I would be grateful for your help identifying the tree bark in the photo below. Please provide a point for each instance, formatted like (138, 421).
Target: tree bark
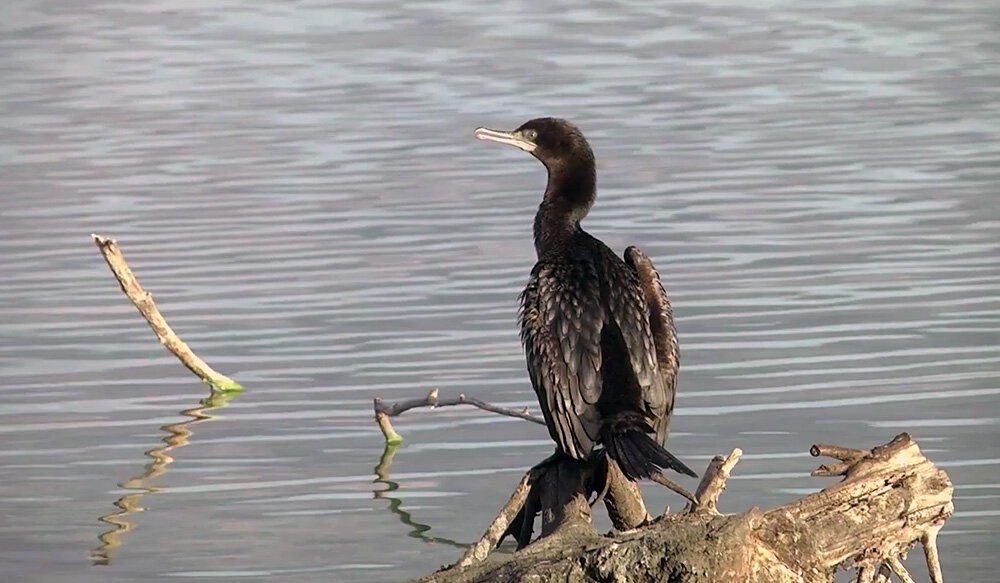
(890, 498)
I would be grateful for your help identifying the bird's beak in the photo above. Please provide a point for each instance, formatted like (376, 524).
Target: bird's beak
(510, 138)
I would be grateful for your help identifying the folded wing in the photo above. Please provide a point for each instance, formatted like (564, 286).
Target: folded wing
(661, 325)
(561, 323)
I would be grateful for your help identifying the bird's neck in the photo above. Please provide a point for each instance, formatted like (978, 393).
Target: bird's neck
(568, 197)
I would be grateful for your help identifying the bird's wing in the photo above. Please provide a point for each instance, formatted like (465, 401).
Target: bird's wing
(664, 335)
(561, 322)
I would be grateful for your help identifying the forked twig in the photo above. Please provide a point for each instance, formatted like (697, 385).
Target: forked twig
(385, 410)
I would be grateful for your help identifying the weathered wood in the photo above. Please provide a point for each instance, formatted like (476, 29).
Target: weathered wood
(143, 301)
(883, 574)
(714, 482)
(563, 494)
(479, 551)
(890, 498)
(929, 541)
(866, 574)
(831, 470)
(623, 499)
(844, 454)
(896, 566)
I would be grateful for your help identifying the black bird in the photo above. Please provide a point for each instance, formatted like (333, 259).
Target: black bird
(598, 332)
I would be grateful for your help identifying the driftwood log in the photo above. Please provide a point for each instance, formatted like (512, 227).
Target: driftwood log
(890, 498)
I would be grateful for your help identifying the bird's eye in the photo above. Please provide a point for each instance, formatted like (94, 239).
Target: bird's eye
(530, 135)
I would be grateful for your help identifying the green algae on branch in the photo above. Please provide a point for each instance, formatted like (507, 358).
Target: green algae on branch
(143, 302)
(391, 437)
(224, 384)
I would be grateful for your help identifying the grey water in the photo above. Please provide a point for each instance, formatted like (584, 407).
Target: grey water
(297, 185)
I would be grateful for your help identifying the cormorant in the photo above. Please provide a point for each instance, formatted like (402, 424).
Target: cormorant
(598, 331)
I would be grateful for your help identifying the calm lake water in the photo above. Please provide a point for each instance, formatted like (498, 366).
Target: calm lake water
(297, 184)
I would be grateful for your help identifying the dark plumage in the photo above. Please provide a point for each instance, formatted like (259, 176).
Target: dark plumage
(598, 332)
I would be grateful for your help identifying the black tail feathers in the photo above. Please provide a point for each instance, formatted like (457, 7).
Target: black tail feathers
(637, 454)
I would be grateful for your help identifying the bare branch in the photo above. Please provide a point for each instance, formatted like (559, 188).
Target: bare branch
(662, 480)
(478, 552)
(431, 400)
(889, 498)
(714, 482)
(830, 470)
(143, 302)
(385, 410)
(391, 437)
(844, 454)
(900, 571)
(929, 541)
(912, 497)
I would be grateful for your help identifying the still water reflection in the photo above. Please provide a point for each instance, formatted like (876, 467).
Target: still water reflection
(178, 434)
(417, 530)
(297, 184)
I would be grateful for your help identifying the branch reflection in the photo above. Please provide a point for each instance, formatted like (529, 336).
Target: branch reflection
(128, 505)
(417, 529)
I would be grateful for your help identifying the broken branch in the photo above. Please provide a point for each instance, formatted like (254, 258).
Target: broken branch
(831, 470)
(143, 302)
(844, 454)
(478, 552)
(714, 482)
(929, 541)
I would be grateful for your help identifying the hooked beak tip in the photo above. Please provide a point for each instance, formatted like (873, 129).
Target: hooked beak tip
(510, 138)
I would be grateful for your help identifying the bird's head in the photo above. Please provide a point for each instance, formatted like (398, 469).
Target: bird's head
(557, 144)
